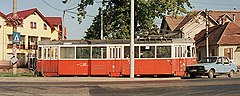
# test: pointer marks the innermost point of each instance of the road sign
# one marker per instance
(16, 38)
(14, 60)
(14, 50)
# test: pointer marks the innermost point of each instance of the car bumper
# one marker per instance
(196, 71)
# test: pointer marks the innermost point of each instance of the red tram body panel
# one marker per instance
(59, 58)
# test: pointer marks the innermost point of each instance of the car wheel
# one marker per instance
(231, 74)
(211, 74)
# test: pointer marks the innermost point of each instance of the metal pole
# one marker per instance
(102, 28)
(207, 25)
(102, 22)
(63, 24)
(132, 41)
(14, 30)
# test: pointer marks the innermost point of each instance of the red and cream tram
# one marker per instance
(111, 57)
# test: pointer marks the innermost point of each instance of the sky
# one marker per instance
(76, 30)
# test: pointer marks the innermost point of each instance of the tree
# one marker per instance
(116, 16)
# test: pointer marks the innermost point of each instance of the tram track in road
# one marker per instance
(199, 86)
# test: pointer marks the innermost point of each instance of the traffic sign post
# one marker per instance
(14, 59)
(15, 40)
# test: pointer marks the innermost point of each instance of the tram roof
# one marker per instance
(116, 41)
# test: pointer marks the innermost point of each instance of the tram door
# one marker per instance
(179, 61)
(50, 62)
(115, 60)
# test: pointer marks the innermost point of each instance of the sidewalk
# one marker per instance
(80, 79)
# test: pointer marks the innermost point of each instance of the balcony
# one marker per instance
(19, 46)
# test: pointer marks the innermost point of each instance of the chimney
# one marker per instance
(234, 17)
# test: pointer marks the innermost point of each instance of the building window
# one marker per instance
(33, 25)
(212, 52)
(32, 42)
(45, 26)
(228, 52)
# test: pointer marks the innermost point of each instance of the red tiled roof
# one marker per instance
(231, 35)
(227, 34)
(183, 22)
(173, 22)
(214, 34)
(2, 15)
(216, 14)
(54, 20)
(25, 13)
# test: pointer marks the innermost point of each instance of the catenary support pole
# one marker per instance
(207, 25)
(14, 30)
(132, 41)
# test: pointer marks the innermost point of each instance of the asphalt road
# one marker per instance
(183, 87)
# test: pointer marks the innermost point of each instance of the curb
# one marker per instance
(80, 79)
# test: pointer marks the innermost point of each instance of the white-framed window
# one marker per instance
(33, 25)
(44, 26)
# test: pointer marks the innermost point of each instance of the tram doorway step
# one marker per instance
(115, 74)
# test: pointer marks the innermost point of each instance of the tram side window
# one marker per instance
(44, 54)
(48, 53)
(99, 52)
(83, 52)
(163, 51)
(188, 51)
(52, 53)
(136, 52)
(56, 53)
(40, 53)
(180, 51)
(147, 51)
(67, 52)
(193, 52)
(127, 52)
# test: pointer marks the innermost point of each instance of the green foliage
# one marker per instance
(116, 16)
(5, 74)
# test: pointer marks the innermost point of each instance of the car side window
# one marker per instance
(219, 61)
(225, 61)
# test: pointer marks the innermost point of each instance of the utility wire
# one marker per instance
(215, 4)
(52, 6)
(74, 4)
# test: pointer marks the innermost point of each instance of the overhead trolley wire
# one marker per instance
(215, 4)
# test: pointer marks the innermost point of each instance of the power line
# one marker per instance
(52, 6)
(74, 4)
(216, 4)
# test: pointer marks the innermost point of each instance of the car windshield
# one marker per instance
(208, 60)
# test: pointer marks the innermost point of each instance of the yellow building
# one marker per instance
(35, 27)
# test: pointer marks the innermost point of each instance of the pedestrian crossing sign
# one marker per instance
(16, 38)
